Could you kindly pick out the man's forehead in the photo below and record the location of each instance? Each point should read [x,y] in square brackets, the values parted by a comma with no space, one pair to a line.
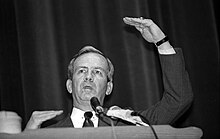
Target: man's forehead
[91,59]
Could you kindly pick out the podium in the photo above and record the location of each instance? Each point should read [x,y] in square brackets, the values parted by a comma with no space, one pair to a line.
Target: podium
[117,132]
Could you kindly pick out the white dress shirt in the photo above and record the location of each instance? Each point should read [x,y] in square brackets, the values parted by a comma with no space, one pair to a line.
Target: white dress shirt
[77,117]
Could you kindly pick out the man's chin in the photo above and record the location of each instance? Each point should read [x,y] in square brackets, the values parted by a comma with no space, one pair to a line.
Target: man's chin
[87,96]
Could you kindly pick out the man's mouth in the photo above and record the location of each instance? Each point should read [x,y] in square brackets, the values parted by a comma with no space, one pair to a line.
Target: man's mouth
[87,88]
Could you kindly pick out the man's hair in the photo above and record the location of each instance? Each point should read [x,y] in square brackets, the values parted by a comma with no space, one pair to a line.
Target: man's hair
[90,49]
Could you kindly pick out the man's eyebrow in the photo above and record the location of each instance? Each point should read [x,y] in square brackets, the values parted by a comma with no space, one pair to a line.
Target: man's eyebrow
[102,69]
[99,68]
[79,67]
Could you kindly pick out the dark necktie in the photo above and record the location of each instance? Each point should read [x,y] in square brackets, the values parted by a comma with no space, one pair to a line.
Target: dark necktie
[88,122]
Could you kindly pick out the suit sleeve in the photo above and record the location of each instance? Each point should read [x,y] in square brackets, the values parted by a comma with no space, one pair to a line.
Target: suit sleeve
[177,95]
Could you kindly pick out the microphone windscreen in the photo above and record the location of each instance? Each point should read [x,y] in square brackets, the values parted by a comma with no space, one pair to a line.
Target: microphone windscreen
[94,102]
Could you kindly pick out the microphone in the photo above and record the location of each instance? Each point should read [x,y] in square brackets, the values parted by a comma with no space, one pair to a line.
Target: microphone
[96,106]
[100,111]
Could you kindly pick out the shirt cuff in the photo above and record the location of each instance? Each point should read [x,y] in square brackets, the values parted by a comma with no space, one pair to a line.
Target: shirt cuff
[169,51]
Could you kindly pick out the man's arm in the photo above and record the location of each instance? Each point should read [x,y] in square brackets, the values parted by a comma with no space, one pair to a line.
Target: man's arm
[178,94]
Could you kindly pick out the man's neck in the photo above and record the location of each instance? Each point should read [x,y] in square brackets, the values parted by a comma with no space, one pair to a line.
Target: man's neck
[86,107]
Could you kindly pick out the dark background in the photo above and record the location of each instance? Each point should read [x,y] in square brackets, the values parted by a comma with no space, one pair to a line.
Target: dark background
[39,37]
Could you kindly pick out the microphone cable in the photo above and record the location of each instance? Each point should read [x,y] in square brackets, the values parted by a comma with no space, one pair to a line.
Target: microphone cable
[147,121]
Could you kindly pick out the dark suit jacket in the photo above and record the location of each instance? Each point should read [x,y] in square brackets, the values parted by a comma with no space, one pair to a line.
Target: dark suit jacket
[176,99]
[103,121]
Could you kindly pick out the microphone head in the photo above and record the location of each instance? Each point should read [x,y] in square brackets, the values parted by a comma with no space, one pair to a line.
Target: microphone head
[94,102]
[96,106]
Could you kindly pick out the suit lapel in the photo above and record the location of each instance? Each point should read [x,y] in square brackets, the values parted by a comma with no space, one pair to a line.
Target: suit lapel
[66,122]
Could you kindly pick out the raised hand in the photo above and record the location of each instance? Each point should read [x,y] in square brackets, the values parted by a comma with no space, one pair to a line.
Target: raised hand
[38,117]
[149,30]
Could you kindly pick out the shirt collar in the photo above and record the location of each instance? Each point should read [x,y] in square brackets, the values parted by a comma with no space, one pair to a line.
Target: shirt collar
[77,117]
[77,113]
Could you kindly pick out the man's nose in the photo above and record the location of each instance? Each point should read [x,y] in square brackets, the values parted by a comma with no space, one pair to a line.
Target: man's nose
[89,77]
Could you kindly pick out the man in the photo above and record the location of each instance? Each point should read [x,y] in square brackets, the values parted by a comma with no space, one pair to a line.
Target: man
[90,75]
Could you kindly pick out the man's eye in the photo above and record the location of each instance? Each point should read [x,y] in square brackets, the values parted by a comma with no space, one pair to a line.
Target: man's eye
[81,71]
[98,72]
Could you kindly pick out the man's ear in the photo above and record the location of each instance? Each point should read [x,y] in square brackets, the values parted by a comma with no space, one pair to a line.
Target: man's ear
[109,88]
[69,86]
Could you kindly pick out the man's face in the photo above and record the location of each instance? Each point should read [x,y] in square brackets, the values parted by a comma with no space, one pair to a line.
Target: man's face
[89,78]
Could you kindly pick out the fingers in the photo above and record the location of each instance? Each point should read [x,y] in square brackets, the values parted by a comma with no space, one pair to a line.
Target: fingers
[148,29]
[142,25]
[138,21]
[136,118]
[114,108]
[38,117]
[41,116]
